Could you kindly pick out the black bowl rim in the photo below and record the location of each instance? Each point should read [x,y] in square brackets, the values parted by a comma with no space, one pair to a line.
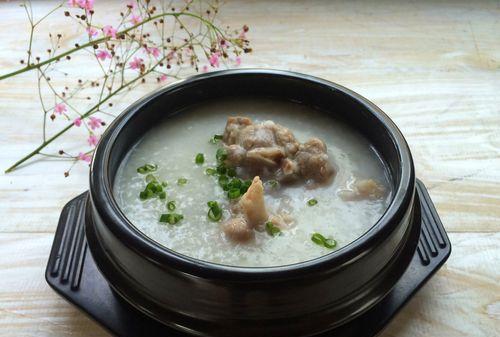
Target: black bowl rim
[103,200]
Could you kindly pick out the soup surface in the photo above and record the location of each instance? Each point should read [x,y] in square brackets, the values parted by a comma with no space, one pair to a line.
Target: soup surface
[332,210]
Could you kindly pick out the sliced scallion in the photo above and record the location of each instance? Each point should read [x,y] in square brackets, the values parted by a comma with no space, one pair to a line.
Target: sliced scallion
[171,218]
[182,181]
[312,202]
[147,168]
[199,159]
[272,229]
[171,205]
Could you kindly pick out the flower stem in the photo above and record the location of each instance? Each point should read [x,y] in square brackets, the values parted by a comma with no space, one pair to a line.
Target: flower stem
[38,65]
[86,114]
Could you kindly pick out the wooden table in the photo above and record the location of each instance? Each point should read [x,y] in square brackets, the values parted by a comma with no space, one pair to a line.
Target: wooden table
[434,68]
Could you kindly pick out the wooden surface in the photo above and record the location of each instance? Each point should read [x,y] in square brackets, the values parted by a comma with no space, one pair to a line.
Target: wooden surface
[434,67]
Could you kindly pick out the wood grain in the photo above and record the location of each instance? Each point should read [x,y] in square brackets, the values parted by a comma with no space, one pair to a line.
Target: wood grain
[433,67]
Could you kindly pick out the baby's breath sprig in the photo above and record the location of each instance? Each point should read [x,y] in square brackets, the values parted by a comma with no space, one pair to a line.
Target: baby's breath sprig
[149,40]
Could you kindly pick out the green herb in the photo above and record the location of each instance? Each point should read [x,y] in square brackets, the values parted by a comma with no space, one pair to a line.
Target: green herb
[171,205]
[223,181]
[273,183]
[234,193]
[150,177]
[210,171]
[271,229]
[153,189]
[221,169]
[147,168]
[214,211]
[221,155]
[182,181]
[245,185]
[235,183]
[231,172]
[199,159]
[320,240]
[312,202]
[171,218]
[215,139]
[164,183]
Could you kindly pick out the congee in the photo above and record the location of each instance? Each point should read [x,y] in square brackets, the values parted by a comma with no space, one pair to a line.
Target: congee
[252,182]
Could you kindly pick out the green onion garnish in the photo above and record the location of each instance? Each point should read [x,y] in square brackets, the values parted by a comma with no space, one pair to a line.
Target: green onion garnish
[162,195]
[320,240]
[271,229]
[214,211]
[171,218]
[210,171]
[273,183]
[199,159]
[221,155]
[235,183]
[171,205]
[312,202]
[233,193]
[231,172]
[223,182]
[215,139]
[182,181]
[245,185]
[221,169]
[150,177]
[147,168]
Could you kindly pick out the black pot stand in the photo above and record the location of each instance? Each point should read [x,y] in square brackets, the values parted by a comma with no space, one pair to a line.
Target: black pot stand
[71,271]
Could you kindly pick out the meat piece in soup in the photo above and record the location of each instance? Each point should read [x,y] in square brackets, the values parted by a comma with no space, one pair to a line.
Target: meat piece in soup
[268,148]
[363,189]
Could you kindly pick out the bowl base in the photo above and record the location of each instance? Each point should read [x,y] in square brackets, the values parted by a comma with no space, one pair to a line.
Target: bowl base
[72,272]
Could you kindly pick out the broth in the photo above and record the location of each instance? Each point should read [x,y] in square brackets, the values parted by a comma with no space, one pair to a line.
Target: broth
[173,145]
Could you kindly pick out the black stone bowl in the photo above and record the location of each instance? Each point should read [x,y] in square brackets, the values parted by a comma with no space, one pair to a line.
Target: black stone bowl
[207,299]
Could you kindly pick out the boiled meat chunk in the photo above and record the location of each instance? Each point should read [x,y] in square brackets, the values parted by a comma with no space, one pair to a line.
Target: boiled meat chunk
[271,148]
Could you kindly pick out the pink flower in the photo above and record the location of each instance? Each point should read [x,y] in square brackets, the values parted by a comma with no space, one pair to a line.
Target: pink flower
[109,31]
[214,60]
[204,69]
[135,19]
[85,157]
[95,123]
[136,63]
[91,31]
[163,78]
[237,61]
[103,55]
[60,108]
[132,4]
[153,51]
[77,121]
[72,3]
[93,140]
[86,4]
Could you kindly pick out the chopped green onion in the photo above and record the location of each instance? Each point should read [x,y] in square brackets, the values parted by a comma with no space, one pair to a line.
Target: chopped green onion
[312,202]
[320,240]
[234,193]
[221,169]
[215,139]
[171,218]
[150,177]
[271,229]
[221,155]
[210,171]
[223,182]
[146,194]
[330,243]
[147,168]
[245,185]
[182,181]
[164,183]
[171,205]
[162,195]
[273,183]
[231,172]
[235,183]
[214,211]
[199,159]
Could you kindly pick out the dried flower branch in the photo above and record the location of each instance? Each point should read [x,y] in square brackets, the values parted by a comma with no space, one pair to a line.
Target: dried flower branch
[150,39]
